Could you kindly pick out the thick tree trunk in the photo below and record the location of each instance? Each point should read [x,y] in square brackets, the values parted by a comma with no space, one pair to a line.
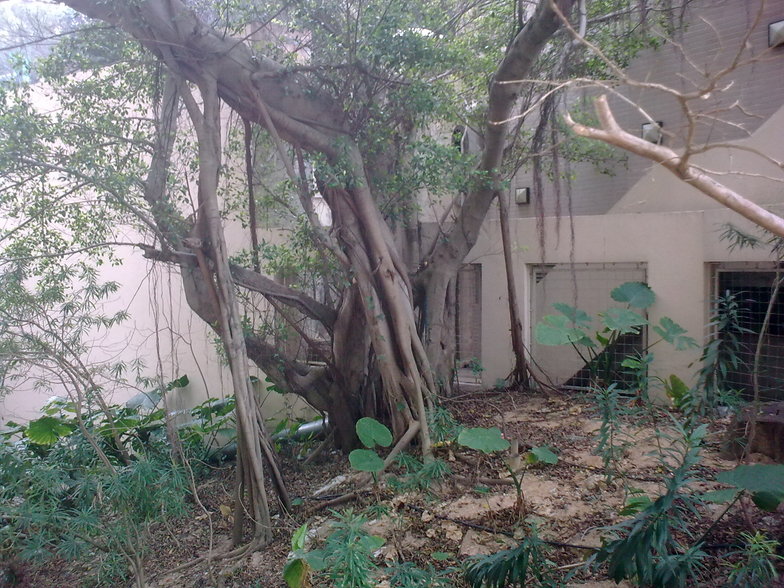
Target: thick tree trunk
[441,265]
[437,303]
[387,303]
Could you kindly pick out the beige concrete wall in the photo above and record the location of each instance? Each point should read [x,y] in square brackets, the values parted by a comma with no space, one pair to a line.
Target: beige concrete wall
[743,169]
[742,101]
[161,328]
[660,222]
[677,249]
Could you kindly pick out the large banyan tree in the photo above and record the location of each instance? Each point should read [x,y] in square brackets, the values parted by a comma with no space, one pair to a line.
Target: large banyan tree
[347,97]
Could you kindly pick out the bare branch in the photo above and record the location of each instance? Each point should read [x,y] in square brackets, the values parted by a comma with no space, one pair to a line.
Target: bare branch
[613,134]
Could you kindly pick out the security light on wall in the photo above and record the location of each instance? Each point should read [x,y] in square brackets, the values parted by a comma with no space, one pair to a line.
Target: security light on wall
[652,132]
[522,195]
[776,33]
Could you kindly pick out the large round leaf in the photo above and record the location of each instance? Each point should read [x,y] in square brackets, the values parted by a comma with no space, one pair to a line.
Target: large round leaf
[768,501]
[373,433]
[673,333]
[635,294]
[365,460]
[296,573]
[542,455]
[755,478]
[623,320]
[47,430]
[485,440]
[575,315]
[556,329]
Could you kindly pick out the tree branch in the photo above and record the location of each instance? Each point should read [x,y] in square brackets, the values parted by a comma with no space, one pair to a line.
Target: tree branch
[613,134]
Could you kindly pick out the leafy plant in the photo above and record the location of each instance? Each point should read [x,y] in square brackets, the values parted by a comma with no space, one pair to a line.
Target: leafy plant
[650,550]
[346,559]
[211,428]
[514,567]
[724,353]
[765,483]
[476,367]
[67,504]
[418,475]
[443,426]
[611,441]
[575,327]
[490,440]
[482,439]
[408,575]
[757,563]
[297,571]
[370,433]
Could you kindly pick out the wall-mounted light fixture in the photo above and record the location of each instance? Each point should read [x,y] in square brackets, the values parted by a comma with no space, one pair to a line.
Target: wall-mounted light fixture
[776,33]
[652,132]
[522,195]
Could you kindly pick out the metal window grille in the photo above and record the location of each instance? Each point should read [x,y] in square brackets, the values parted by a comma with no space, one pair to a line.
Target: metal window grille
[750,290]
[586,286]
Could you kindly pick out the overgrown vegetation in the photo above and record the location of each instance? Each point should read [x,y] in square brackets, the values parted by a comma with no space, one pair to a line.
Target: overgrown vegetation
[338,106]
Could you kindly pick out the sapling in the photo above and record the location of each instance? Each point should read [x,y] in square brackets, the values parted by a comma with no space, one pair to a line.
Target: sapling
[370,433]
[490,440]
[346,560]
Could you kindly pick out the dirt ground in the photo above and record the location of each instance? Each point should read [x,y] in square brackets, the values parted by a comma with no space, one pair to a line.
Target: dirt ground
[471,512]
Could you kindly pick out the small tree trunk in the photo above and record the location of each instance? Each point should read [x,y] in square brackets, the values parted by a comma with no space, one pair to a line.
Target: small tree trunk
[520,373]
[207,125]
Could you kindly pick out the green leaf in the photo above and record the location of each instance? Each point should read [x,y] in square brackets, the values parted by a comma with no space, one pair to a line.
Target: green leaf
[371,542]
[47,430]
[442,555]
[623,320]
[575,315]
[635,294]
[768,501]
[673,333]
[676,390]
[373,433]
[635,505]
[543,455]
[720,496]
[296,573]
[365,460]
[298,538]
[558,330]
[316,559]
[755,478]
[485,440]
[180,382]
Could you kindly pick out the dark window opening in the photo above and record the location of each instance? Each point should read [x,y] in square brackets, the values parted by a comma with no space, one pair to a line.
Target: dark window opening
[749,294]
